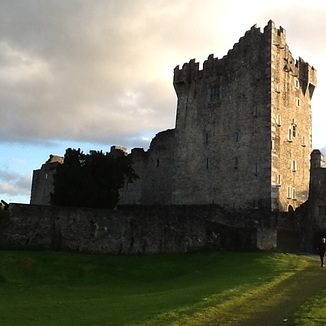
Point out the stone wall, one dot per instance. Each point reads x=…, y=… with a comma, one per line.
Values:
x=317, y=193
x=154, y=229
x=293, y=84
x=155, y=169
x=266, y=238
x=136, y=230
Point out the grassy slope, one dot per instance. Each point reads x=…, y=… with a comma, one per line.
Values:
x=42, y=288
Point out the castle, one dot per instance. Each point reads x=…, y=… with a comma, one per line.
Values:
x=243, y=132
x=236, y=172
x=242, y=138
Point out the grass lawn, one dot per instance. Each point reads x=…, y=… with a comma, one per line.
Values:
x=313, y=312
x=51, y=288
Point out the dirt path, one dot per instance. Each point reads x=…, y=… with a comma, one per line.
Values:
x=277, y=305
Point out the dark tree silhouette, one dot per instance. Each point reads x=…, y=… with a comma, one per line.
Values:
x=90, y=180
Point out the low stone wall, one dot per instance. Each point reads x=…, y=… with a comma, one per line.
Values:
x=133, y=230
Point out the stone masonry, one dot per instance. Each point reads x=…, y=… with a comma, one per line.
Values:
x=42, y=183
x=317, y=196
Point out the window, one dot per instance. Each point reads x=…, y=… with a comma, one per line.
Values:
x=288, y=192
x=256, y=168
x=206, y=140
x=214, y=94
x=290, y=134
x=294, y=194
x=296, y=83
x=255, y=111
x=294, y=166
x=236, y=162
x=303, y=141
x=278, y=120
x=237, y=136
x=157, y=163
x=297, y=102
x=207, y=162
x=278, y=179
x=278, y=88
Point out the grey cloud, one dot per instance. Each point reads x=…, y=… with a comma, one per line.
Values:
x=93, y=70
x=14, y=184
x=305, y=25
x=90, y=59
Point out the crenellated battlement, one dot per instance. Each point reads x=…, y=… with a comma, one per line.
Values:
x=307, y=76
x=190, y=71
x=251, y=38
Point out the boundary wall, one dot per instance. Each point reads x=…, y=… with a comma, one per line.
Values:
x=130, y=230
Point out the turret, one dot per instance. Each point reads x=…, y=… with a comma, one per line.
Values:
x=317, y=159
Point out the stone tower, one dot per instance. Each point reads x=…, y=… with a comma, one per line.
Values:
x=243, y=126
x=42, y=182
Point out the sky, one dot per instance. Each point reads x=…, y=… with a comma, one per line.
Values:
x=92, y=74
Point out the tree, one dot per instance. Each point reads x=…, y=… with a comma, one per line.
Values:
x=91, y=180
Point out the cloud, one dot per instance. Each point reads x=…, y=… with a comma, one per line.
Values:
x=102, y=71
x=81, y=71
x=97, y=72
x=14, y=184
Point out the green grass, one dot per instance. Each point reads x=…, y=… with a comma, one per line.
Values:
x=313, y=312
x=44, y=288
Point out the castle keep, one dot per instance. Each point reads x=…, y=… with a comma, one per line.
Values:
x=242, y=138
